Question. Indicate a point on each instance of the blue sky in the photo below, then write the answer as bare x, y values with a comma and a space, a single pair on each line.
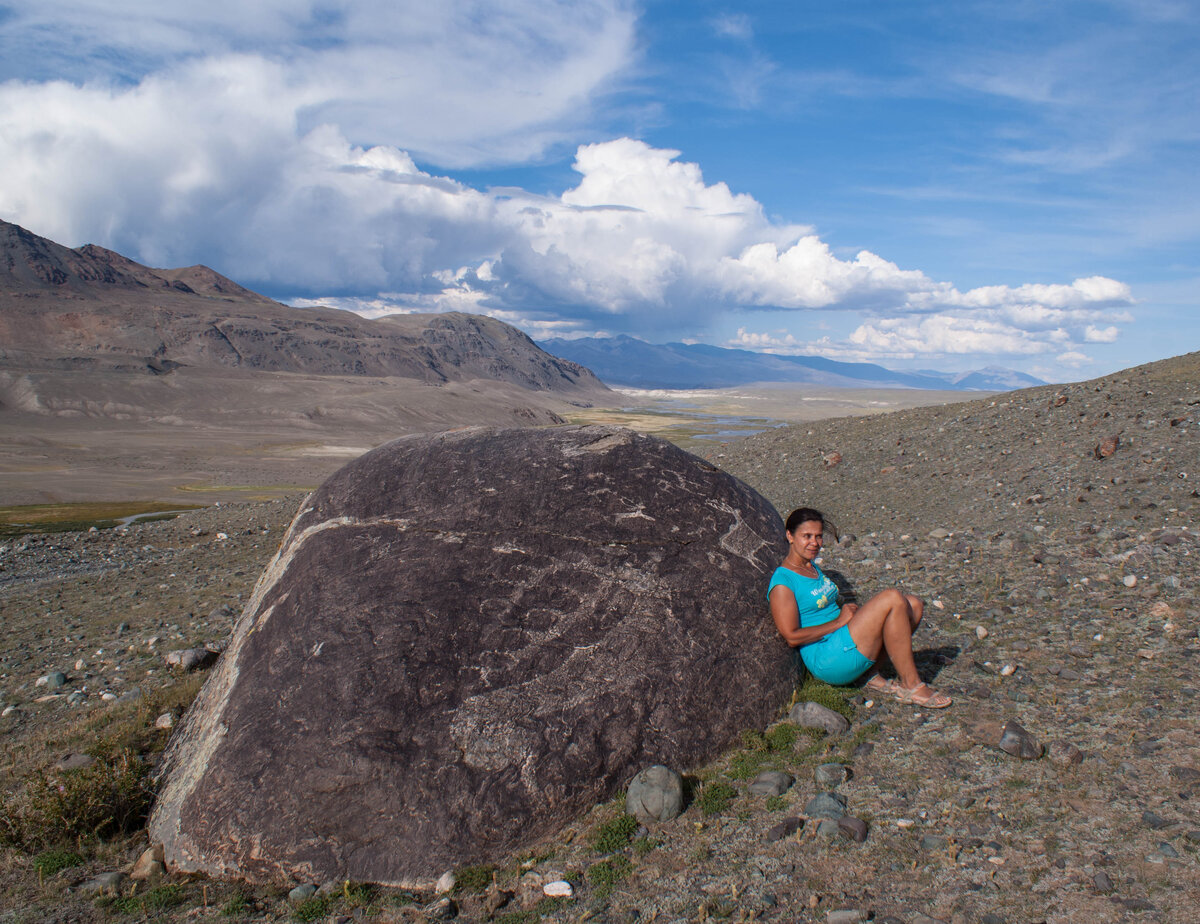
923, 185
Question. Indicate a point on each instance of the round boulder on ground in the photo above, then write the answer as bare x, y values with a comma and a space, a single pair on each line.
467, 639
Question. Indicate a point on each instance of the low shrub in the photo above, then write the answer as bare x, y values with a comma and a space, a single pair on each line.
106, 799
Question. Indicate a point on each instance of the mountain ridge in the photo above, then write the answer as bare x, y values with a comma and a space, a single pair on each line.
91, 307
629, 362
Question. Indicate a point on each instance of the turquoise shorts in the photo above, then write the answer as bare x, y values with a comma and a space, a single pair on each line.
835, 658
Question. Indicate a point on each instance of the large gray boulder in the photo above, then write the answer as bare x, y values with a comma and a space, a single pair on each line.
464, 641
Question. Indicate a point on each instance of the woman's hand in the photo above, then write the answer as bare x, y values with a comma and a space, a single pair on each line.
787, 618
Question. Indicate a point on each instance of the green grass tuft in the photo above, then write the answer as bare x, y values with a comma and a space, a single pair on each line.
835, 698
715, 797
235, 905
643, 845
314, 909
614, 834
49, 862
157, 899
781, 738
473, 878
605, 875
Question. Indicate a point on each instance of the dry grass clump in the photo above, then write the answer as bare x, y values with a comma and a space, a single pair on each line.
97, 802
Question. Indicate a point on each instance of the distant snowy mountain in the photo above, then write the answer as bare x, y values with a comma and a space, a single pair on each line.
634, 363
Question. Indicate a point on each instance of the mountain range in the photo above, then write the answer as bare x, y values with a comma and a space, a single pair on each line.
627, 361
91, 308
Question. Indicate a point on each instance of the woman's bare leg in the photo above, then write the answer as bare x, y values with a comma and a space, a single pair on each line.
885, 624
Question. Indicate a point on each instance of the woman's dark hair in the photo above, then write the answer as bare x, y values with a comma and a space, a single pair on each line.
805, 515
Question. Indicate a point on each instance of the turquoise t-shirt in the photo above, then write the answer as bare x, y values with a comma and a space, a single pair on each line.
816, 598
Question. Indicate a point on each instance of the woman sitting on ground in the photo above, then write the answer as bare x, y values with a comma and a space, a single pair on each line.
838, 644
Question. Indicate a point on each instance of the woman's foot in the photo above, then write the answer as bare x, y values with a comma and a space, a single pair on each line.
877, 683
921, 695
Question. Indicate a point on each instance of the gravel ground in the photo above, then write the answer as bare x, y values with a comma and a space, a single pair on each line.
1061, 595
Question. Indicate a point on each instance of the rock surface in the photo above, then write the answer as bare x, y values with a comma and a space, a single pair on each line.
655, 795
464, 641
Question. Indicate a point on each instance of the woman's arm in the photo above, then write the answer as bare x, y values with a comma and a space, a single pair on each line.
787, 618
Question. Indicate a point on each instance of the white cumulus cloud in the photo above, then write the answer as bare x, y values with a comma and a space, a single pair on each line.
282, 149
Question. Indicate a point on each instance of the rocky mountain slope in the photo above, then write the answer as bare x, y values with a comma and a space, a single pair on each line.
117, 380
1070, 612
91, 308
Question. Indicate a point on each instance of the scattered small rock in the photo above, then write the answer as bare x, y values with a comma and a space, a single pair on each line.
150, 866
814, 715
831, 774
191, 659
105, 883
785, 828
74, 761
302, 893
771, 783
1064, 754
828, 805
853, 828
1016, 741
655, 795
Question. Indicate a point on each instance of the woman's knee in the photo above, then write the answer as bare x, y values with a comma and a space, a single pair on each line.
917, 606
892, 598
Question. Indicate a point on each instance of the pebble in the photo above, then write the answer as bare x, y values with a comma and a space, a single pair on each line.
52, 681
831, 774
1016, 741
655, 795
105, 882
74, 761
441, 910
771, 783
785, 828
166, 720
191, 659
826, 805
1064, 754
814, 715
302, 893
446, 882
1130, 580
981, 632
1153, 820
853, 828
559, 888
1102, 882
845, 916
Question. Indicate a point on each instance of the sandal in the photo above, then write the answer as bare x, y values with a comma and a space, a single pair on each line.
921, 695
877, 683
